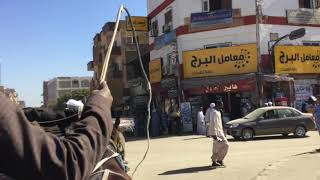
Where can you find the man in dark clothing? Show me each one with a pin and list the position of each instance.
(27, 152)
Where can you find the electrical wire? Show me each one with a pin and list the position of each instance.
(149, 89)
(105, 69)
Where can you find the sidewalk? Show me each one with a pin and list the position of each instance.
(304, 166)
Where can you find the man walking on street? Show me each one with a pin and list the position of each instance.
(220, 142)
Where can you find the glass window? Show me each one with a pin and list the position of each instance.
(205, 6)
(271, 114)
(295, 113)
(85, 83)
(168, 17)
(64, 84)
(154, 28)
(75, 83)
(285, 113)
(310, 4)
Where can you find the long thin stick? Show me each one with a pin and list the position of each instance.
(107, 58)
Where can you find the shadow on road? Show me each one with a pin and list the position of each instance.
(268, 138)
(317, 151)
(188, 139)
(188, 170)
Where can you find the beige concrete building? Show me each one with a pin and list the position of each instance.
(122, 67)
(59, 86)
(12, 95)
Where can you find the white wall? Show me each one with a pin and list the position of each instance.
(247, 6)
(153, 4)
(312, 34)
(161, 53)
(184, 8)
(278, 7)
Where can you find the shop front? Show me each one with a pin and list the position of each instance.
(303, 64)
(225, 74)
(165, 98)
(238, 93)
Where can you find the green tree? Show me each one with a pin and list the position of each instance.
(76, 95)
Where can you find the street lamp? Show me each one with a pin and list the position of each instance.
(296, 34)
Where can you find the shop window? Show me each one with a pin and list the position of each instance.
(311, 43)
(219, 45)
(310, 4)
(214, 5)
(167, 27)
(154, 29)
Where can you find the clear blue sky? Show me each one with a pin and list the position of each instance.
(42, 39)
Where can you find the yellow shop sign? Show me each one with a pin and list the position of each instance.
(140, 23)
(297, 59)
(155, 71)
(220, 61)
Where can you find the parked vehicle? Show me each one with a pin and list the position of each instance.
(126, 125)
(269, 121)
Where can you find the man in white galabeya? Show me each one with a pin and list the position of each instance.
(220, 142)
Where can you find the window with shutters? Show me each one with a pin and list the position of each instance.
(167, 27)
(214, 5)
(154, 29)
(310, 4)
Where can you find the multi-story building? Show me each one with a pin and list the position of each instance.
(222, 49)
(59, 86)
(124, 77)
(12, 95)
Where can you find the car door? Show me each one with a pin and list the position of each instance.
(287, 121)
(267, 123)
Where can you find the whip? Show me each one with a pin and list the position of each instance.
(105, 70)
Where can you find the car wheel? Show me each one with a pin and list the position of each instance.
(285, 134)
(247, 134)
(300, 131)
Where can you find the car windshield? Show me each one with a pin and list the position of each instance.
(254, 114)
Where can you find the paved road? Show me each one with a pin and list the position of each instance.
(188, 157)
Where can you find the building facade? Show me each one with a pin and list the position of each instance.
(124, 73)
(12, 95)
(222, 50)
(59, 86)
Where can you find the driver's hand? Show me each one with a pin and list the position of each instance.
(103, 91)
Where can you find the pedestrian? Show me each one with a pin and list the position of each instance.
(316, 115)
(220, 143)
(201, 125)
(28, 152)
(207, 119)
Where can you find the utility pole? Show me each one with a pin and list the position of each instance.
(259, 71)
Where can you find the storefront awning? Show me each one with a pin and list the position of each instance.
(209, 81)
(276, 78)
